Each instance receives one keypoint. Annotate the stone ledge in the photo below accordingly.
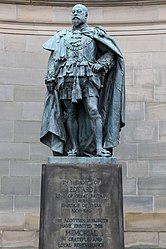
(49, 29)
(87, 2)
(82, 160)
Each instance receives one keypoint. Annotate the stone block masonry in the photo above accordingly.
(140, 33)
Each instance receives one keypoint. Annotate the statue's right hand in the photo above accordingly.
(50, 87)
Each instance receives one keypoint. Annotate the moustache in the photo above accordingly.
(75, 18)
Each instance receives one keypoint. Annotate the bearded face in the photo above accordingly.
(79, 15)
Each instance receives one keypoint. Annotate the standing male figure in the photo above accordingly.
(84, 105)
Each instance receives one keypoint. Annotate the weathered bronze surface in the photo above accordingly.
(81, 205)
(84, 106)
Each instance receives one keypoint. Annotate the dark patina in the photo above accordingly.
(84, 105)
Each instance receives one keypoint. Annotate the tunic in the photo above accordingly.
(75, 79)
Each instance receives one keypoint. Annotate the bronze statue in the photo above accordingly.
(84, 105)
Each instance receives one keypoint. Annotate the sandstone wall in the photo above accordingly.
(140, 32)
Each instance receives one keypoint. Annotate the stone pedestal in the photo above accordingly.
(81, 204)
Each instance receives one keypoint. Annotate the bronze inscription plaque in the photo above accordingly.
(81, 207)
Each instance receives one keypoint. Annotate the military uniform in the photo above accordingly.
(75, 79)
(70, 70)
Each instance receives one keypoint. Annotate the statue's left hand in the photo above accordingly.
(96, 67)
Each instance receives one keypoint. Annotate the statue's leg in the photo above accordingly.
(72, 126)
(91, 106)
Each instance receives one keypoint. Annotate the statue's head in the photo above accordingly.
(79, 15)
